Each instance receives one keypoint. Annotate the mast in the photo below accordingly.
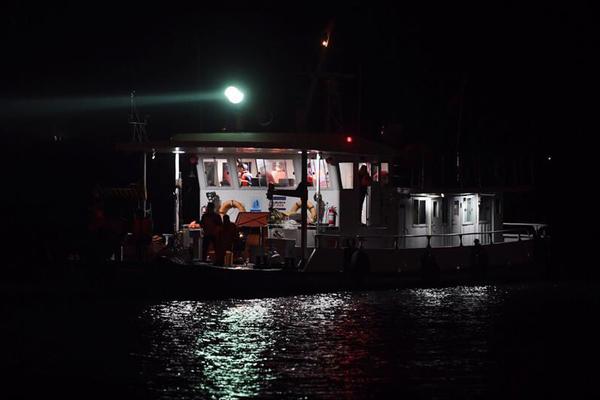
(317, 75)
(139, 135)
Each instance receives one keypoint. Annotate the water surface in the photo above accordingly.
(460, 342)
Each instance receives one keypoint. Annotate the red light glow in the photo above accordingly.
(348, 139)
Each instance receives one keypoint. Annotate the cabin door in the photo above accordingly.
(455, 220)
(469, 209)
(421, 222)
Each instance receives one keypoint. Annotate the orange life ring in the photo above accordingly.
(309, 206)
(229, 204)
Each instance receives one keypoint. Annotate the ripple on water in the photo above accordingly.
(326, 345)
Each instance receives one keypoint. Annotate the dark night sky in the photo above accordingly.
(525, 70)
(520, 64)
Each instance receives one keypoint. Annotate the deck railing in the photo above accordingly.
(340, 240)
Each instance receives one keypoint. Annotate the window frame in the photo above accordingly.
(416, 212)
(204, 170)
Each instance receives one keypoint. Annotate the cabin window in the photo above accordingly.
(374, 171)
(278, 172)
(260, 172)
(247, 172)
(385, 174)
(380, 172)
(456, 208)
(468, 216)
(347, 175)
(312, 174)
(485, 209)
(435, 209)
(217, 172)
(419, 215)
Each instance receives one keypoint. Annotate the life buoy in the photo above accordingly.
(227, 205)
(309, 206)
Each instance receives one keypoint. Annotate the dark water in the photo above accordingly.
(462, 342)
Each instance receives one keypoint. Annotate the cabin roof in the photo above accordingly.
(264, 142)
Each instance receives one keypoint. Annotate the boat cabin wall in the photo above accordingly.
(432, 214)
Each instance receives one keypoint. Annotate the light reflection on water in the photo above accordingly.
(508, 341)
(350, 345)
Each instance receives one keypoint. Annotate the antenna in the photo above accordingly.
(138, 127)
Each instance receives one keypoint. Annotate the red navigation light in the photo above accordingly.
(348, 139)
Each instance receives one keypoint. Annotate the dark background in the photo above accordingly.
(520, 74)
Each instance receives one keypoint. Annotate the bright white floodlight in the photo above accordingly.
(234, 95)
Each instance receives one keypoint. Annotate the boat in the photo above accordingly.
(305, 228)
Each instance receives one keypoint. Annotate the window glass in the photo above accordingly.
(435, 209)
(385, 174)
(419, 216)
(347, 175)
(422, 212)
(380, 172)
(278, 172)
(247, 172)
(456, 208)
(312, 174)
(217, 172)
(469, 210)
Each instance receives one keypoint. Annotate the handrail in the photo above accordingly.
(524, 224)
(396, 238)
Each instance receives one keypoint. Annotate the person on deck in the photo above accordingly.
(210, 223)
(478, 261)
(227, 235)
(244, 175)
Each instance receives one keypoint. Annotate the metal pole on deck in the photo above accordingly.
(303, 209)
(145, 198)
(318, 191)
(177, 191)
